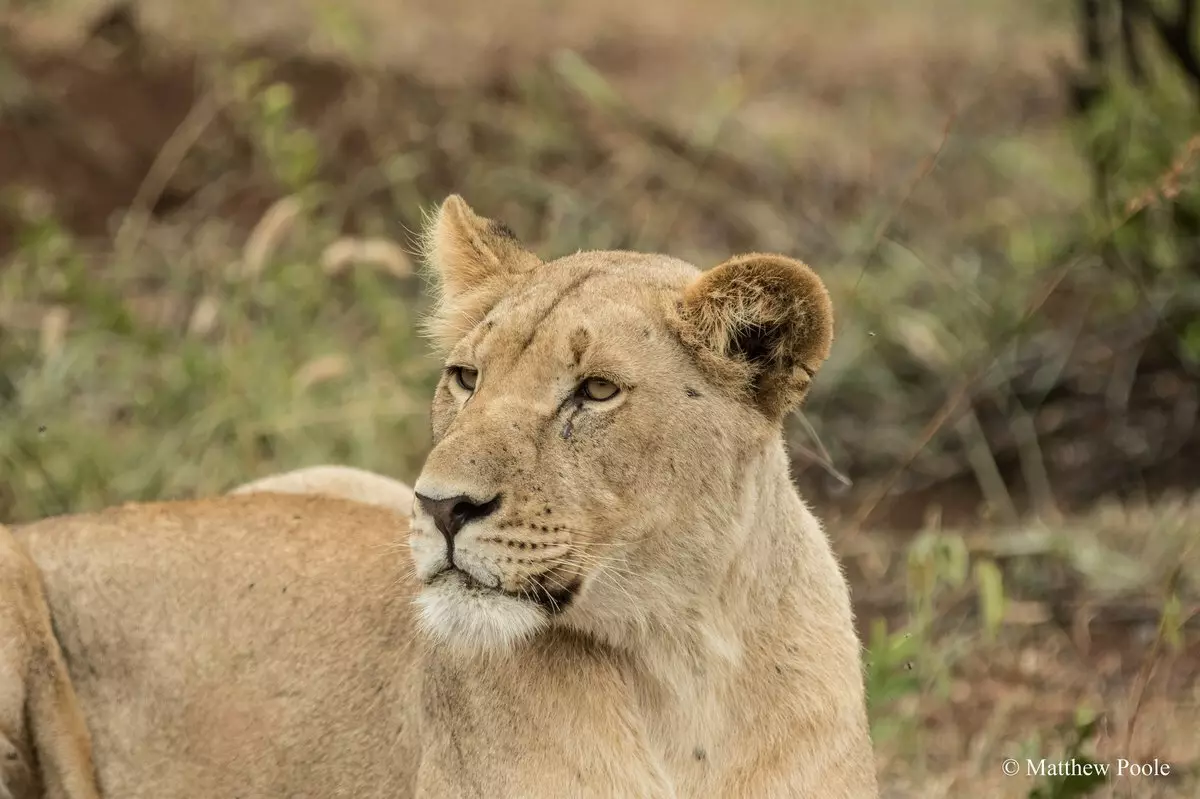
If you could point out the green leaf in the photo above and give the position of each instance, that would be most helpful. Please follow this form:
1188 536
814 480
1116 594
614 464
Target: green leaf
989 582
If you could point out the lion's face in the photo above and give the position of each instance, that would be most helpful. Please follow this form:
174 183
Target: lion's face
588 431
561 424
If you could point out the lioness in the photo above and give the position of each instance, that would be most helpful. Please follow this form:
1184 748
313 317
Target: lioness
613 588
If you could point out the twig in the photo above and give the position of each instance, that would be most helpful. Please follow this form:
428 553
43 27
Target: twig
821 456
983 463
923 170
1033 460
166 163
1141 683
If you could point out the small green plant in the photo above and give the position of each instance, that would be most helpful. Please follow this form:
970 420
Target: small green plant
905 662
291 152
911 660
889 677
938 566
989 584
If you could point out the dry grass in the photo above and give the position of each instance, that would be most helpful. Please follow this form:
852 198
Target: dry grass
261 316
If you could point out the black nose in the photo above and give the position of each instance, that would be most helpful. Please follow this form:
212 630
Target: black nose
451 515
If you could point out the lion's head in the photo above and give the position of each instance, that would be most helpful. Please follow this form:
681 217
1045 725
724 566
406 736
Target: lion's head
597 429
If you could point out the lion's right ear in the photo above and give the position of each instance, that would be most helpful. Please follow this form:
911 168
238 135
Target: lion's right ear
472 261
763 324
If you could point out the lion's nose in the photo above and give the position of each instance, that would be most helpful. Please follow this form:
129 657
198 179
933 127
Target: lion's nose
451 515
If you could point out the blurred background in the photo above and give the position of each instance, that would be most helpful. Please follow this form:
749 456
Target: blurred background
207 213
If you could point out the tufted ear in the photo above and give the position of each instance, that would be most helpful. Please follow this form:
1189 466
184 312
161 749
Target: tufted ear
472 261
764 324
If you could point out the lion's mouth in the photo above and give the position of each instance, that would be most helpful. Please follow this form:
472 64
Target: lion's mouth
464 580
551 595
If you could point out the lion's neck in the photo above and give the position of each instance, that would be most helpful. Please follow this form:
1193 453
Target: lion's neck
694 661
766 533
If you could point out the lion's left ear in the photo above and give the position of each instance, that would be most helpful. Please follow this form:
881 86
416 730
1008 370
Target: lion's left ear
473 261
762 322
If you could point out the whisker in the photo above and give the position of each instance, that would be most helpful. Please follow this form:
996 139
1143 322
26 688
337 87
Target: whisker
611 564
611 567
557 583
615 578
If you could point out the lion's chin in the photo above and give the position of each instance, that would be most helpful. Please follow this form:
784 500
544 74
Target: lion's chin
459 613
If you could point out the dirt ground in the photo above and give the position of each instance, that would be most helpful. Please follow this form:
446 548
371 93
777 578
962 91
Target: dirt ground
824 113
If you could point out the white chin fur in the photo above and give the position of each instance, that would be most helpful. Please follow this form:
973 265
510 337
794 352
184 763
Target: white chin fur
477 621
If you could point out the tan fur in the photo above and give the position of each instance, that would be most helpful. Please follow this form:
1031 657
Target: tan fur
45 749
336 481
644 608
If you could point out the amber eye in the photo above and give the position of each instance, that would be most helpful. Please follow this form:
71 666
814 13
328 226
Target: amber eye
598 390
465 377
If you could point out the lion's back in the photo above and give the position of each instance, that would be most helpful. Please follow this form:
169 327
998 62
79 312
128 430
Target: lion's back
222 645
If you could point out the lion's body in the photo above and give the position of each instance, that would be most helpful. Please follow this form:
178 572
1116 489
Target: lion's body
344 482
255 646
611 587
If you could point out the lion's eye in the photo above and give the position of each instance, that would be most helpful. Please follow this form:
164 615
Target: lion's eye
465 377
597 389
